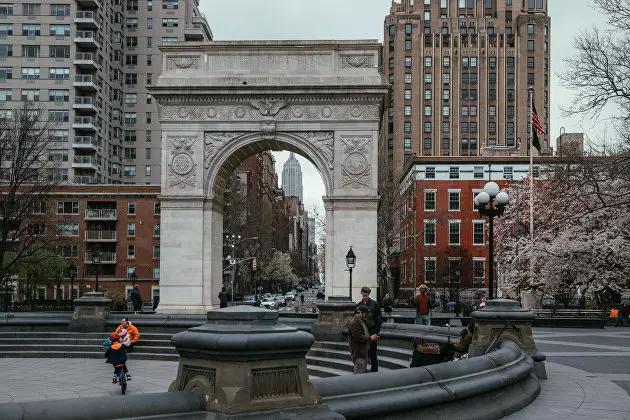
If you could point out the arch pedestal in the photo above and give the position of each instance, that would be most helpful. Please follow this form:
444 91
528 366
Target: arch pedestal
221 102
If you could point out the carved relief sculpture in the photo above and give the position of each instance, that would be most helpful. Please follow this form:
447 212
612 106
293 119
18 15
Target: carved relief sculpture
183 63
214 142
356 61
355 168
182 166
267 106
323 141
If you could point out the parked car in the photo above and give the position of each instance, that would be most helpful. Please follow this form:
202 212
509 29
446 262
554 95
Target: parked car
249 300
289 296
280 299
269 303
299 289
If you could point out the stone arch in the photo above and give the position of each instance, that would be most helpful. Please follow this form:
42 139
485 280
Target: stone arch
317 147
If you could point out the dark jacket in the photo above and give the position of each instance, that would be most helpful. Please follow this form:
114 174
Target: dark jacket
358 340
374 318
135 296
116 354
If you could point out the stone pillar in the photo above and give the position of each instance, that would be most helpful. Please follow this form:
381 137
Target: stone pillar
243 360
332 319
507 318
90 312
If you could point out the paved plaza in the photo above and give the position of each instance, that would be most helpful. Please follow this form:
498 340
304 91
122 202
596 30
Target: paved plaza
589 376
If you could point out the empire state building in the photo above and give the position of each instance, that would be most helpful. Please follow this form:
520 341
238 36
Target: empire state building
292 177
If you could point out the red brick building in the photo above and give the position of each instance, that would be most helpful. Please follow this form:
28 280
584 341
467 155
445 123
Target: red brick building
109 230
450 251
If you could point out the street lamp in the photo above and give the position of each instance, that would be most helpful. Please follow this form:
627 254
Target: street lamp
97 261
491 202
351 259
72 273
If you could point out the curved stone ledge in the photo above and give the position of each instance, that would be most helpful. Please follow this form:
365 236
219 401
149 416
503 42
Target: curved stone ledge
501 382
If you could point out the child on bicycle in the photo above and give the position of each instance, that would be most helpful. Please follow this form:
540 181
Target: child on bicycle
117 355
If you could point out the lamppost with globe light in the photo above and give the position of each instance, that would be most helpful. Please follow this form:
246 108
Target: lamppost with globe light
350 262
491 202
97 262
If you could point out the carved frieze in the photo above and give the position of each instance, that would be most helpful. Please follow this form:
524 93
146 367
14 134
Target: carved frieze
214 142
356 61
323 141
282 113
181 168
355 168
268 107
183 63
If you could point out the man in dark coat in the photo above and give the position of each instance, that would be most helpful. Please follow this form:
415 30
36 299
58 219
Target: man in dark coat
136 299
223 298
359 339
373 322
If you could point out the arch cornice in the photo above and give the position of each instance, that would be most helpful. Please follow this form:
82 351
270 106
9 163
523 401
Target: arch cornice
224 151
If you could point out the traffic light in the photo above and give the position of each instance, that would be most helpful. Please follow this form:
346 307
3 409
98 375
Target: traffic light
254 264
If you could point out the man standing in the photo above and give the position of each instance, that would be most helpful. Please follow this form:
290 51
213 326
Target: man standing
373 322
136 299
423 304
360 339
223 299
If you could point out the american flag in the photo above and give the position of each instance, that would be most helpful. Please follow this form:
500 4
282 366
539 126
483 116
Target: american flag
536 121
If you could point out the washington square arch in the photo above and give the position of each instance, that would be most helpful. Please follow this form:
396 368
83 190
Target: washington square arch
220 102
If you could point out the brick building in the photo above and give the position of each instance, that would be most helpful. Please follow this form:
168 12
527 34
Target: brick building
112 230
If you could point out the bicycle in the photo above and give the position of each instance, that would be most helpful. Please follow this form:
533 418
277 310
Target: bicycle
122 378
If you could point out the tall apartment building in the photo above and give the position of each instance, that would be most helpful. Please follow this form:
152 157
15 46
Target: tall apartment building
292 177
460 72
88 64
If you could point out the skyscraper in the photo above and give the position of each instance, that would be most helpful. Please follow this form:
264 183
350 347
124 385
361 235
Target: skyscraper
460 72
88 64
292 177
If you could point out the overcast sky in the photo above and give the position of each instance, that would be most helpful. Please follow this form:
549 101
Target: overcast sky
363 19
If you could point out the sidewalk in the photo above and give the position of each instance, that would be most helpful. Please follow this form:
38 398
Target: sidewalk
571 393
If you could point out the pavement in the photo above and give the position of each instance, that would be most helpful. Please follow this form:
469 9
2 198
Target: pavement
588 370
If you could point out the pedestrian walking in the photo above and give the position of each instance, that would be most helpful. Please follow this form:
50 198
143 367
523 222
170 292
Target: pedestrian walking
373 322
423 304
360 339
223 298
136 299
302 298
388 304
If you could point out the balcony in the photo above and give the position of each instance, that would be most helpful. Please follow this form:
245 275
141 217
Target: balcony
90 3
100 236
100 214
85 60
85 162
84 123
84 179
105 257
84 103
86 19
85 82
86 39
202 22
85 143
193 33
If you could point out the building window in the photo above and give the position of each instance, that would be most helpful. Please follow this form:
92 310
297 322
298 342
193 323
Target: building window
131 207
407 110
131 229
510 62
407 95
408 44
446 143
67 229
129 170
156 276
392 29
530 62
510 128
429 232
446 110
479 271
427 94
67 207
530 79
510 79
429 270
446 61
446 78
492 62
446 94
428 78
427 142
131 251
429 200
530 45
156 230
429 172
453 232
453 172
427 127
170 22
478 172
508 172
68 251
492 78
407 143
407 126
427 110
453 201
407 62
407 77
492 110
492 127
156 252
530 29
156 208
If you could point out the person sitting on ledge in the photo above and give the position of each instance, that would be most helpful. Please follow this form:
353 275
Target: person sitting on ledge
133 332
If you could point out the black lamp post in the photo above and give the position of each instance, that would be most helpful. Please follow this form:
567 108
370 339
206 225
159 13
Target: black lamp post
491 202
72 273
97 261
350 262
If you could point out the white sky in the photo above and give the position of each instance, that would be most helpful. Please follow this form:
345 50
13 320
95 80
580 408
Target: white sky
363 19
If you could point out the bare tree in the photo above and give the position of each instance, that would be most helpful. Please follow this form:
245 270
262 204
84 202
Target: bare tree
387 223
26 181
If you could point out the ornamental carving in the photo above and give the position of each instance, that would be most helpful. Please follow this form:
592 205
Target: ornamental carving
323 141
356 61
214 142
183 63
281 112
182 165
355 168
267 106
